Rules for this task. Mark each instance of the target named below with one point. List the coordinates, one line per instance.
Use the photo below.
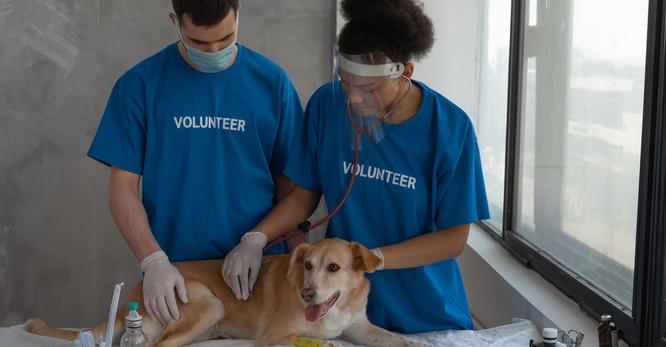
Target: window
(492, 101)
(580, 137)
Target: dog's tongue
(313, 312)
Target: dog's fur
(276, 312)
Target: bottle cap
(549, 333)
(133, 318)
(605, 318)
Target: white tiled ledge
(500, 288)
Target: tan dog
(319, 291)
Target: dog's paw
(34, 325)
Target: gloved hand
(242, 264)
(159, 280)
(378, 252)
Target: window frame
(651, 241)
(646, 325)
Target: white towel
(512, 335)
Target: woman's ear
(296, 262)
(409, 70)
(364, 260)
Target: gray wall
(60, 253)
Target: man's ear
(296, 262)
(173, 18)
(364, 260)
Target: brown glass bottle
(604, 329)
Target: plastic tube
(112, 313)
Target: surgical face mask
(211, 62)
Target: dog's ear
(364, 260)
(296, 261)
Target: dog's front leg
(365, 333)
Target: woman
(418, 183)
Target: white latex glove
(159, 280)
(242, 264)
(378, 252)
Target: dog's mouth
(314, 312)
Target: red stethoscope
(305, 227)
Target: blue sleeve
(121, 136)
(291, 117)
(461, 193)
(302, 164)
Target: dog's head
(327, 271)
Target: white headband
(393, 70)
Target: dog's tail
(39, 327)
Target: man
(206, 123)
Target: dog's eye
(308, 265)
(333, 267)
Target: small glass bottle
(133, 336)
(605, 332)
(615, 334)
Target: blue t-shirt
(424, 175)
(207, 146)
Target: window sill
(500, 288)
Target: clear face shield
(370, 87)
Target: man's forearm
(129, 214)
(426, 249)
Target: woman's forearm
(290, 212)
(426, 249)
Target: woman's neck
(413, 96)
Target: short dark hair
(398, 28)
(206, 13)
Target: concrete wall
(60, 253)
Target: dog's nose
(307, 294)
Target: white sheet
(517, 334)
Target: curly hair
(398, 28)
(206, 13)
